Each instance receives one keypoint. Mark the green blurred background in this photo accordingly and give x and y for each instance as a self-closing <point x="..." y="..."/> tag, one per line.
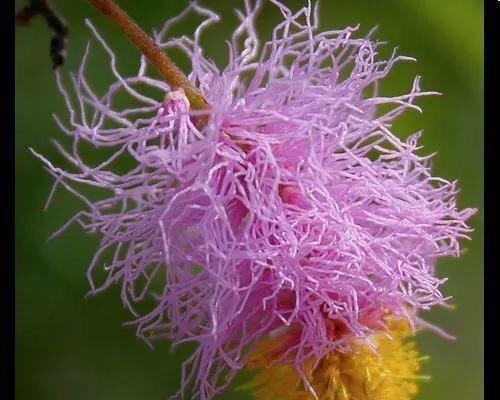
<point x="72" y="347"/>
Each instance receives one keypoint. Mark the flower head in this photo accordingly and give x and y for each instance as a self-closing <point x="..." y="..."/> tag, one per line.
<point x="289" y="202"/>
<point x="385" y="368"/>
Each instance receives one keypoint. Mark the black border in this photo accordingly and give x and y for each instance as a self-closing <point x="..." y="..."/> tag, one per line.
<point x="7" y="196"/>
<point x="491" y="204"/>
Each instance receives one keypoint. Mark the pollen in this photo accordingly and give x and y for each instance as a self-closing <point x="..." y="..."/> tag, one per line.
<point x="387" y="370"/>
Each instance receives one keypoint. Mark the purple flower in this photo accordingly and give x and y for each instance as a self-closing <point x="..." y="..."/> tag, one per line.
<point x="290" y="202"/>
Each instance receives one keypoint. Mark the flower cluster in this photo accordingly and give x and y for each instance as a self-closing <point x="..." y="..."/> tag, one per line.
<point x="288" y="205"/>
<point x="354" y="372"/>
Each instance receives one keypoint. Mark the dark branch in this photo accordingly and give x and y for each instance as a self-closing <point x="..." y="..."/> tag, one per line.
<point x="55" y="23"/>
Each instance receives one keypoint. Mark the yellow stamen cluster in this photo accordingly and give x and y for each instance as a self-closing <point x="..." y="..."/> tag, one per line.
<point x="357" y="373"/>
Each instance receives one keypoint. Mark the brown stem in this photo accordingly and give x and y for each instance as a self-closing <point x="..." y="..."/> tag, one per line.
<point x="163" y="64"/>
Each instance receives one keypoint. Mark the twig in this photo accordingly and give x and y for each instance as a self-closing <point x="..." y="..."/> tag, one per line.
<point x="163" y="64"/>
<point x="54" y="21"/>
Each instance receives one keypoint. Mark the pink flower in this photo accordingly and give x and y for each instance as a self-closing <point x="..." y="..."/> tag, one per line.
<point x="293" y="205"/>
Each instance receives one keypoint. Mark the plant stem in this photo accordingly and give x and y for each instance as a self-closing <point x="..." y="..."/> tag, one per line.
<point x="163" y="64"/>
